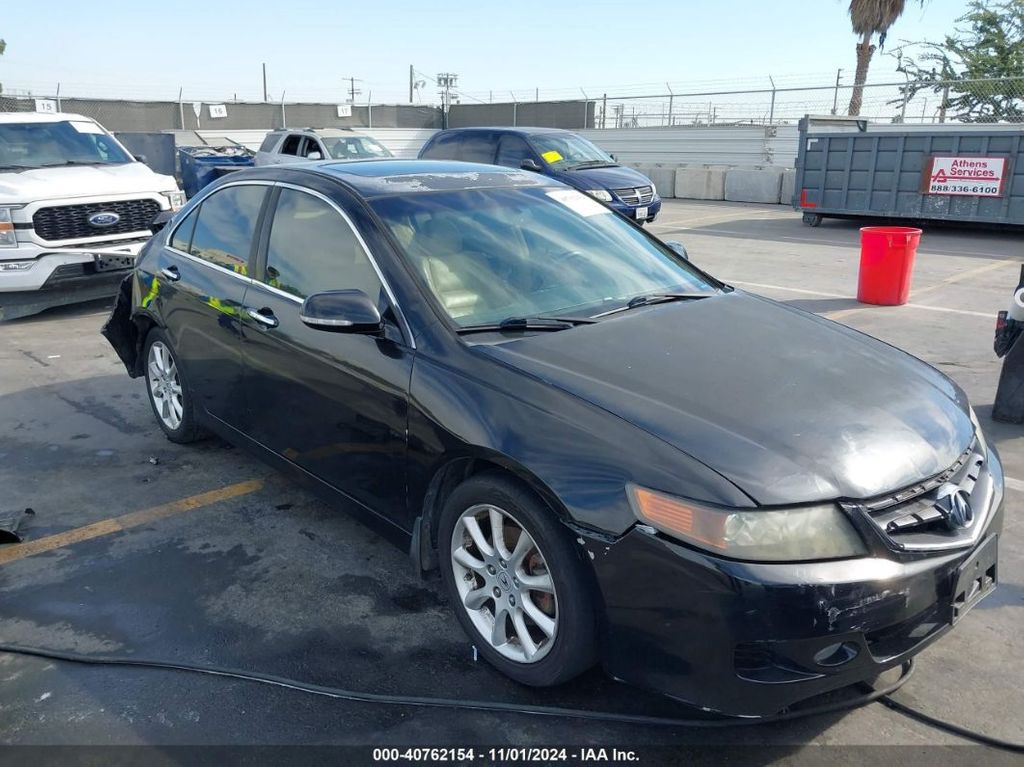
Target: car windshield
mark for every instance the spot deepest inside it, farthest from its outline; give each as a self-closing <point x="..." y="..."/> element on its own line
<point x="355" y="148"/>
<point x="493" y="254"/>
<point x="564" y="151"/>
<point x="70" y="142"/>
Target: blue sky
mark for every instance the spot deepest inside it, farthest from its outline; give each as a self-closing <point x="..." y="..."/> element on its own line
<point x="214" y="49"/>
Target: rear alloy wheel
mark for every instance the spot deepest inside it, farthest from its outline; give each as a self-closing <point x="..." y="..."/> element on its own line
<point x="519" y="586"/>
<point x="168" y="393"/>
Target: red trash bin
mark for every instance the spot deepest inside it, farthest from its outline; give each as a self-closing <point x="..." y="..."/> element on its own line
<point x="886" y="264"/>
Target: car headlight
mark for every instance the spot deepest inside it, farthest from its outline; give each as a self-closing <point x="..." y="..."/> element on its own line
<point x="820" y="531"/>
<point x="176" y="199"/>
<point x="654" y="190"/>
<point x="8" y="237"/>
<point x="600" y="194"/>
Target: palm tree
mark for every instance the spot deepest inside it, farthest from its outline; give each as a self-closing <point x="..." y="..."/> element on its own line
<point x="869" y="18"/>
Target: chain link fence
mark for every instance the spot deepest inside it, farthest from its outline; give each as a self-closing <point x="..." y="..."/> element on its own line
<point x="990" y="100"/>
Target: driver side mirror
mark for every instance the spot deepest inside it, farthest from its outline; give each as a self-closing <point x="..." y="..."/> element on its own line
<point x="314" y="156"/>
<point x="530" y="164"/>
<point x="679" y="249"/>
<point x="342" y="311"/>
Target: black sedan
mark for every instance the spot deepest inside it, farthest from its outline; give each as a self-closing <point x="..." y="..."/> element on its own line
<point x="610" y="455"/>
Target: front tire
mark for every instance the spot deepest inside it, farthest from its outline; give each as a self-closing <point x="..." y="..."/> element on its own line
<point x="517" y="583"/>
<point x="168" y="392"/>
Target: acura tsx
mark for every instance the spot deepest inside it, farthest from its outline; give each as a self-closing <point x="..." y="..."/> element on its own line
<point x="610" y="455"/>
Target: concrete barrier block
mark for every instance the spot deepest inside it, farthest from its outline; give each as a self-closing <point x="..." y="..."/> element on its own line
<point x="763" y="185"/>
<point x="700" y="183"/>
<point x="664" y="179"/>
<point x="788" y="187"/>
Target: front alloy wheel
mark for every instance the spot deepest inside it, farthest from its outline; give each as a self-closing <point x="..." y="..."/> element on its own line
<point x="519" y="583"/>
<point x="504" y="583"/>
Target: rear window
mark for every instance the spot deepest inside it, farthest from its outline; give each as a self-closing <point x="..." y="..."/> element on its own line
<point x="444" y="147"/>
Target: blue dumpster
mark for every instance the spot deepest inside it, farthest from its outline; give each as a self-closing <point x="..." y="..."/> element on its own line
<point x="201" y="165"/>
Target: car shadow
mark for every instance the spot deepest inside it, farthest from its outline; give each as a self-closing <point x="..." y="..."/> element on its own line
<point x="275" y="582"/>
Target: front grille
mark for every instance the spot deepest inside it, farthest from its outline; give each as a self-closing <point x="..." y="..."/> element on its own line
<point x="641" y="195"/>
<point x="71" y="222"/>
<point x="911" y="518"/>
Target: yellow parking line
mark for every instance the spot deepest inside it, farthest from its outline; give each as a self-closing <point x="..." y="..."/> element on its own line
<point x="125" y="521"/>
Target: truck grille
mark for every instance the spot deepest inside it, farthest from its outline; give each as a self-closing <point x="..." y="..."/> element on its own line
<point x="70" y="222"/>
<point x="640" y="195"/>
<point x="919" y="516"/>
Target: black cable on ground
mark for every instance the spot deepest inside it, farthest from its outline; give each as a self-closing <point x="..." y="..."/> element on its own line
<point x="870" y="696"/>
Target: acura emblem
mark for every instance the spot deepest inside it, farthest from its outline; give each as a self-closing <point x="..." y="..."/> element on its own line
<point x="954" y="504"/>
<point x="104" y="218"/>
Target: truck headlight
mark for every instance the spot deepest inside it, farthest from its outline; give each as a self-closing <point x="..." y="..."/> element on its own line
<point x="801" y="533"/>
<point x="176" y="199"/>
<point x="8" y="237"/>
<point x="654" y="190"/>
<point x="600" y="194"/>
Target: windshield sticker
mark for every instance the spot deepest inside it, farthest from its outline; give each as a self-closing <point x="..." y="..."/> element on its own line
<point x="578" y="202"/>
<point x="551" y="156"/>
<point x="86" y="127"/>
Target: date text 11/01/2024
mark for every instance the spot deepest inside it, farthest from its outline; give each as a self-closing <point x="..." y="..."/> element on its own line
<point x="504" y="754"/>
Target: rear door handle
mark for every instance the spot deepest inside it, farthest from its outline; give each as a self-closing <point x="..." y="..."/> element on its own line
<point x="264" y="317"/>
<point x="171" y="273"/>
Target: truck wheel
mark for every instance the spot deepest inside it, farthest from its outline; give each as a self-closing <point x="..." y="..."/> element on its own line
<point x="812" y="219"/>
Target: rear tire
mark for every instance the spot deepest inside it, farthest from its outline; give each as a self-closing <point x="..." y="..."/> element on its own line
<point x="527" y="604"/>
<point x="168" y="390"/>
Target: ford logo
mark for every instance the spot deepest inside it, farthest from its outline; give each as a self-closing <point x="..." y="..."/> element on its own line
<point x="104" y="218"/>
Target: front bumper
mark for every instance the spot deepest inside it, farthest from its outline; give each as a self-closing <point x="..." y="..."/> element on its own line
<point x="57" y="268"/>
<point x="653" y="208"/>
<point x="751" y="639"/>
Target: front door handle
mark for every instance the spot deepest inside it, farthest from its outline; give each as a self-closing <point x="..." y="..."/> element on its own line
<point x="264" y="316"/>
<point x="171" y="273"/>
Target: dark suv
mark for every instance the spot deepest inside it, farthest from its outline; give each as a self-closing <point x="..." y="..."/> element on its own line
<point x="557" y="153"/>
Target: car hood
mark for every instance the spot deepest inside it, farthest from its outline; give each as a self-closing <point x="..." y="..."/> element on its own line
<point x="603" y="178"/>
<point x="27" y="186"/>
<point x="789" y="407"/>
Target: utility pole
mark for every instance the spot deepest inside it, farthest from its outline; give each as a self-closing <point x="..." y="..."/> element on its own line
<point x="412" y="82"/>
<point x="445" y="82"/>
<point x="352" y="90"/>
<point x="835" y="98"/>
<point x="265" y="97"/>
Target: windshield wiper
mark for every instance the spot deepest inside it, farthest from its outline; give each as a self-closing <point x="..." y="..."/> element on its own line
<point x="76" y="162"/>
<point x="658" y="298"/>
<point x="18" y="167"/>
<point x="527" y="323"/>
<point x="593" y="164"/>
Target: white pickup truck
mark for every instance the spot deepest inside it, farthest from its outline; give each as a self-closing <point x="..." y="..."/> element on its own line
<point x="75" y="209"/>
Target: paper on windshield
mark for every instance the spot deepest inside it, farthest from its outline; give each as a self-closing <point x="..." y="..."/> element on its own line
<point x="551" y="156"/>
<point x="82" y="126"/>
<point x="578" y="202"/>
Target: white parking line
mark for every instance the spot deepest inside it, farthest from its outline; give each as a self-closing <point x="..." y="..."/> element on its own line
<point x="1014" y="484"/>
<point x="986" y="315"/>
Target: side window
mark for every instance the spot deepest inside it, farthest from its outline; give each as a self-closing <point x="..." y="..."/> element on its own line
<point x="512" y="150"/>
<point x="224" y="228"/>
<point x="182" y="238"/>
<point x="291" y="144"/>
<point x="269" y="142"/>
<point x="477" y="147"/>
<point x="311" y="145"/>
<point x="312" y="249"/>
<point x="444" y="148"/>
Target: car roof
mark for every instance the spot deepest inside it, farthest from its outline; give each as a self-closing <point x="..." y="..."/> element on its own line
<point x="519" y="129"/>
<point x="323" y="132"/>
<point x="41" y="117"/>
<point x="376" y="178"/>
